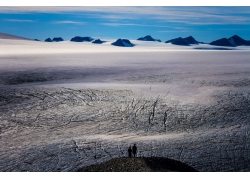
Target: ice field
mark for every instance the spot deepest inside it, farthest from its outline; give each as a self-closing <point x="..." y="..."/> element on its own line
<point x="66" y="105"/>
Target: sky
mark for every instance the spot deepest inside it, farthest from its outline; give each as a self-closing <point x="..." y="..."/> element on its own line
<point x="204" y="23"/>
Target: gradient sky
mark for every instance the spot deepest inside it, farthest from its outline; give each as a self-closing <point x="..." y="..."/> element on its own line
<point x="205" y="24"/>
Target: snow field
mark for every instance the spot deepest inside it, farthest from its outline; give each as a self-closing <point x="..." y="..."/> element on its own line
<point x="68" y="105"/>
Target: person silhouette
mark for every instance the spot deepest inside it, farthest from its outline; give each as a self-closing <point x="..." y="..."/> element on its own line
<point x="130" y="152"/>
<point x="134" y="150"/>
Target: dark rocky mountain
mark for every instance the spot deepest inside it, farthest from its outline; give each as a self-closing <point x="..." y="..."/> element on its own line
<point x="238" y="41"/>
<point x="183" y="41"/>
<point x="48" y="40"/>
<point x="172" y="40"/>
<point x="77" y="39"/>
<point x="148" y="38"/>
<point x="123" y="43"/>
<point x="178" y="41"/>
<point x="222" y="42"/>
<point x="190" y="40"/>
<point x="81" y="39"/>
<point x="98" y="41"/>
<point x="36" y="39"/>
<point x="232" y="42"/>
<point x="57" y="39"/>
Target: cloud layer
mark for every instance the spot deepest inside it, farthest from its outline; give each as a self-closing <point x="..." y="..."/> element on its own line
<point x="67" y="22"/>
<point x="19" y="20"/>
<point x="187" y="14"/>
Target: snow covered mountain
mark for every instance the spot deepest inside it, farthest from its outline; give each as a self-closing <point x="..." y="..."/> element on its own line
<point x="148" y="38"/>
<point x="123" y="43"/>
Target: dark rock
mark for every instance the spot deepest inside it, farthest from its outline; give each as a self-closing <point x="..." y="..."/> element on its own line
<point x="36" y="39"/>
<point x="175" y="39"/>
<point x="190" y="40"/>
<point x="181" y="42"/>
<point x="123" y="43"/>
<point x="150" y="164"/>
<point x="238" y="41"/>
<point x="77" y="39"/>
<point x="81" y="39"/>
<point x="98" y="41"/>
<point x="87" y="39"/>
<point x="148" y="38"/>
<point x="48" y="40"/>
<point x="178" y="41"/>
<point x="222" y="42"/>
<point x="57" y="39"/>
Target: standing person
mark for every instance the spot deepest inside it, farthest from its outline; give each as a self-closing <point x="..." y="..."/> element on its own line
<point x="134" y="150"/>
<point x="130" y="152"/>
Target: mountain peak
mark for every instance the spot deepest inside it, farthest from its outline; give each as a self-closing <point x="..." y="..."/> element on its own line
<point x="238" y="41"/>
<point x="123" y="43"/>
<point x="148" y="38"/>
<point x="223" y="42"/>
<point x="190" y="40"/>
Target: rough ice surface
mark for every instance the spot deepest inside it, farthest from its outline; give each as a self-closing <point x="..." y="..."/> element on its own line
<point x="67" y="105"/>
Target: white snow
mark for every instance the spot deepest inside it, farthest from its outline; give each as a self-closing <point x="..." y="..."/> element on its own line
<point x="21" y="47"/>
<point x="61" y="103"/>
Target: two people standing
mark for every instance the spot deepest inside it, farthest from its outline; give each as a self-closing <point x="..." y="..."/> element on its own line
<point x="132" y="150"/>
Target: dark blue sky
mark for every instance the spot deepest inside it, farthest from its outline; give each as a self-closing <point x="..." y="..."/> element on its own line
<point x="203" y="23"/>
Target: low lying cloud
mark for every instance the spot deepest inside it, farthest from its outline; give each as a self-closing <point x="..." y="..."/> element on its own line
<point x="68" y="22"/>
<point x="130" y="24"/>
<point x="19" y="20"/>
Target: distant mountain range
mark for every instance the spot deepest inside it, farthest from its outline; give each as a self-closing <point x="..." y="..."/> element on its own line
<point x="231" y="42"/>
<point x="183" y="41"/>
<point x="148" y="38"/>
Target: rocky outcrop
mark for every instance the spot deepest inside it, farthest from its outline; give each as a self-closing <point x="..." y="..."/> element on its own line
<point x="148" y="38"/>
<point x="81" y="39"/>
<point x="48" y="40"/>
<point x="123" y="43"/>
<point x="57" y="39"/>
<point x="190" y="40"/>
<point x="238" y="41"/>
<point x="178" y="41"/>
<point x="183" y="41"/>
<point x="98" y="41"/>
<point x="223" y="42"/>
<point x="231" y="42"/>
